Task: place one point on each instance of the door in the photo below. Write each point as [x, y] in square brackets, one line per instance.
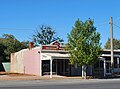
[108, 68]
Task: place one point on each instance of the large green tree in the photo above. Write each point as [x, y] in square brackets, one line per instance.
[84, 44]
[46, 35]
[116, 44]
[9, 44]
[2, 52]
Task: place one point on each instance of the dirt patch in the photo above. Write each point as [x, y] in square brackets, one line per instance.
[2, 73]
[20, 76]
[14, 74]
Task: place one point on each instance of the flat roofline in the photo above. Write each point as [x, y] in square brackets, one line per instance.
[54, 51]
[53, 45]
[108, 50]
[108, 55]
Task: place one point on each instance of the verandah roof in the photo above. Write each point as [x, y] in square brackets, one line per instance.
[49, 56]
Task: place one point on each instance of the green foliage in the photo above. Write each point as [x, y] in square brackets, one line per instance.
[83, 43]
[116, 44]
[2, 53]
[46, 36]
[9, 44]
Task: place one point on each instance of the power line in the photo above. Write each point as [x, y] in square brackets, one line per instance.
[16, 29]
[117, 19]
[106, 22]
[116, 25]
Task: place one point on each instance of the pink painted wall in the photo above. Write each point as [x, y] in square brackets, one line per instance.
[32, 62]
[26, 61]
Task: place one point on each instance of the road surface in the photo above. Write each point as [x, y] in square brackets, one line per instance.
[62, 84]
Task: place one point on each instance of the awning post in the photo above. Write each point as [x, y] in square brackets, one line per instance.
[51, 68]
[40, 67]
[118, 64]
[104, 68]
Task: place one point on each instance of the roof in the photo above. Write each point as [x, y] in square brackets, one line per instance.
[115, 50]
[49, 56]
[109, 55]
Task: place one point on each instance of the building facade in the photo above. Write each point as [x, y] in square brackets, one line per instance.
[54, 60]
[45, 60]
[103, 67]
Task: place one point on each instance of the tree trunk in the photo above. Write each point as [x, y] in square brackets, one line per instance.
[84, 72]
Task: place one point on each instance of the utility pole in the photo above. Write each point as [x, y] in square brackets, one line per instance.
[111, 43]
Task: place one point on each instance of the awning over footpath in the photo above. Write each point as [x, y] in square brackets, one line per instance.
[49, 56]
[109, 55]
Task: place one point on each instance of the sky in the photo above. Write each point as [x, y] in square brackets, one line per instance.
[22, 18]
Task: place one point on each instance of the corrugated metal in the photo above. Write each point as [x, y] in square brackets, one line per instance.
[6, 66]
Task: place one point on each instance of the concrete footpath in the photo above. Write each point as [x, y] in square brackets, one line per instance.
[33, 77]
[15, 76]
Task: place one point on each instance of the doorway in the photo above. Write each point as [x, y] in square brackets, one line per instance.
[61, 67]
[108, 67]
